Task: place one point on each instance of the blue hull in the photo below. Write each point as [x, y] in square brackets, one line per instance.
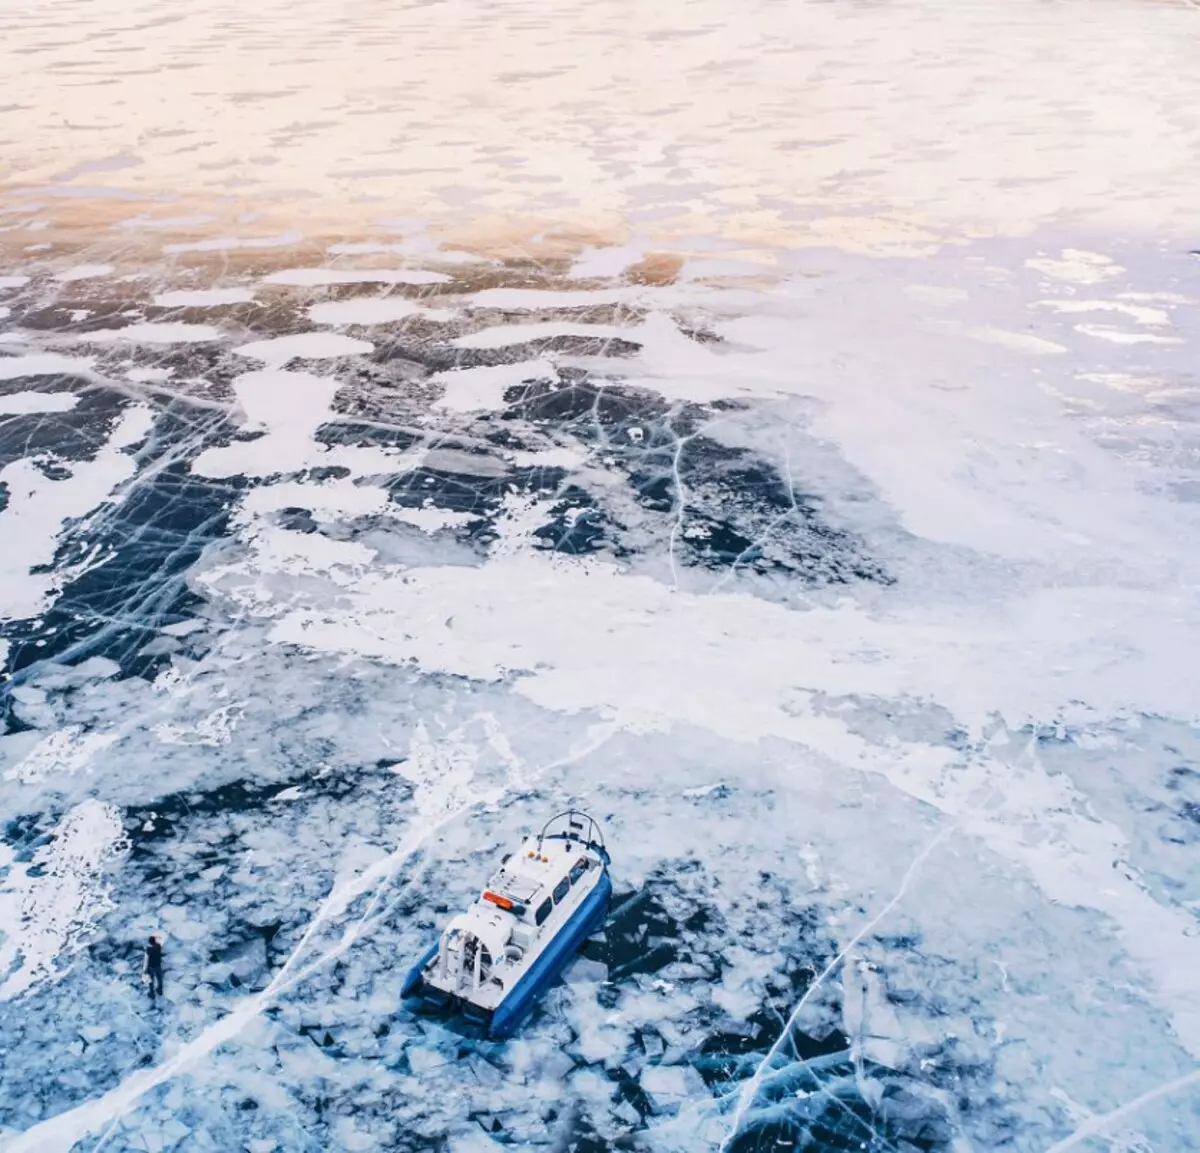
[522, 997]
[414, 974]
[520, 1000]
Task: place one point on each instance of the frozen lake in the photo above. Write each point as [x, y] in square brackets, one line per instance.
[770, 427]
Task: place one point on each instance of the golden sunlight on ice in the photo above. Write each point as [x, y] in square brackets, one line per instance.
[885, 129]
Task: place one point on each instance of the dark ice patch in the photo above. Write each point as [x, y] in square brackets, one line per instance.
[76, 434]
[588, 404]
[135, 554]
[358, 434]
[812, 1095]
[102, 316]
[739, 511]
[453, 492]
[577, 526]
[574, 523]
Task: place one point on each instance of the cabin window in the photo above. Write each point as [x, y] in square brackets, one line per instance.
[544, 910]
[560, 890]
[579, 868]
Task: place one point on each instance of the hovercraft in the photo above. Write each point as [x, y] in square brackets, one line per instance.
[493, 961]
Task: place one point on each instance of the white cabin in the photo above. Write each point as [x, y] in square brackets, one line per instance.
[484, 951]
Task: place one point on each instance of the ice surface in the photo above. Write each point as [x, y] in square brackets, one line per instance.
[773, 432]
[680, 1042]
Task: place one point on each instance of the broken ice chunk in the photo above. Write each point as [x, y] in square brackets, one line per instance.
[668, 1086]
[584, 971]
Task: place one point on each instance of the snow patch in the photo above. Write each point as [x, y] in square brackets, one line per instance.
[212, 731]
[39, 507]
[1077, 266]
[603, 263]
[482, 389]
[304, 346]
[149, 375]
[44, 364]
[25, 403]
[504, 336]
[84, 272]
[47, 914]
[431, 519]
[1155, 317]
[163, 332]
[940, 296]
[1120, 336]
[525, 299]
[63, 752]
[324, 277]
[373, 310]
[204, 297]
[1017, 341]
[290, 406]
[226, 243]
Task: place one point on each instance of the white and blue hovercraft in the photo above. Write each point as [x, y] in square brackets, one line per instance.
[494, 961]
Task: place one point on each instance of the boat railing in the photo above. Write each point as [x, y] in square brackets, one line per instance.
[579, 825]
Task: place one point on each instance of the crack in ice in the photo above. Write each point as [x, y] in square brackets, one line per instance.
[1095, 1125]
[751, 1085]
[681, 443]
[765, 535]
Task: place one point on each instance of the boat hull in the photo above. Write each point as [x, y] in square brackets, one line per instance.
[413, 979]
[520, 1000]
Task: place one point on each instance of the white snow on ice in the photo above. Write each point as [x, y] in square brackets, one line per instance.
[68, 750]
[304, 346]
[38, 508]
[373, 310]
[84, 272]
[150, 332]
[482, 389]
[203, 297]
[26, 403]
[233, 243]
[47, 914]
[44, 364]
[323, 277]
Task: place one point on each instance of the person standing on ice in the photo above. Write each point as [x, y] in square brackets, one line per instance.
[153, 970]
